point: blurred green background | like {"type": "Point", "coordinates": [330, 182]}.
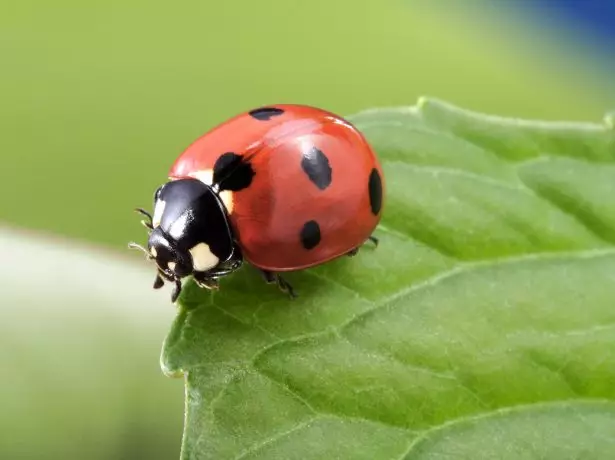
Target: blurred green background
{"type": "Point", "coordinates": [96, 101]}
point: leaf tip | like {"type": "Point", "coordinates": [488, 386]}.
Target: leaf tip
{"type": "Point", "coordinates": [169, 371]}
{"type": "Point", "coordinates": [422, 102]}
{"type": "Point", "coordinates": [432, 106]}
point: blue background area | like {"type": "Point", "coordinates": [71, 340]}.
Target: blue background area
{"type": "Point", "coordinates": [593, 19]}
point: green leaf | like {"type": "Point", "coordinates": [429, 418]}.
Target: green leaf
{"type": "Point", "coordinates": [481, 327]}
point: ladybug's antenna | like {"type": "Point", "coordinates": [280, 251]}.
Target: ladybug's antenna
{"type": "Point", "coordinates": [149, 217]}
{"type": "Point", "coordinates": [132, 245]}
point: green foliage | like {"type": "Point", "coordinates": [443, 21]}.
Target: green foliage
{"type": "Point", "coordinates": [481, 327]}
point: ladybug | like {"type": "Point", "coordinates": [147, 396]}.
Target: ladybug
{"type": "Point", "coordinates": [283, 187]}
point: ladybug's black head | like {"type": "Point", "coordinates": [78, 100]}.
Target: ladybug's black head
{"type": "Point", "coordinates": [171, 260]}
{"type": "Point", "coordinates": [190, 234]}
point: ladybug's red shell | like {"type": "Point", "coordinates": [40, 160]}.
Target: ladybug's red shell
{"type": "Point", "coordinates": [315, 190]}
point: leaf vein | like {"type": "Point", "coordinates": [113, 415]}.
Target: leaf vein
{"type": "Point", "coordinates": [470, 266]}
{"type": "Point", "coordinates": [424, 435]}
{"type": "Point", "coordinates": [558, 199]}
{"type": "Point", "coordinates": [276, 437]}
{"type": "Point", "coordinates": [245, 323]}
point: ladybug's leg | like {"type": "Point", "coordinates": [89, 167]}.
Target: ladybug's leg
{"type": "Point", "coordinates": [160, 279]}
{"type": "Point", "coordinates": [353, 252]}
{"type": "Point", "coordinates": [176, 290]}
{"type": "Point", "coordinates": [159, 282]}
{"type": "Point", "coordinates": [206, 282]}
{"type": "Point", "coordinates": [284, 285]}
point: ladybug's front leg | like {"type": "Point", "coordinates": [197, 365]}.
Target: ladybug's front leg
{"type": "Point", "coordinates": [176, 290]}
{"type": "Point", "coordinates": [159, 282]}
{"type": "Point", "coordinates": [206, 282]}
{"type": "Point", "coordinates": [284, 285]}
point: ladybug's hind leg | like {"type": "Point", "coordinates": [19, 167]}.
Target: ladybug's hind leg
{"type": "Point", "coordinates": [354, 252]}
{"type": "Point", "coordinates": [271, 277]}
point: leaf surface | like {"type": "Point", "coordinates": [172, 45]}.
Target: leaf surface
{"type": "Point", "coordinates": [481, 327]}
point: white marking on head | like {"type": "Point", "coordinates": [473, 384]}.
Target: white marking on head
{"type": "Point", "coordinates": [158, 210]}
{"type": "Point", "coordinates": [153, 251]}
{"type": "Point", "coordinates": [205, 175]}
{"type": "Point", "coordinates": [172, 266]}
{"type": "Point", "coordinates": [202, 258]}
{"type": "Point", "coordinates": [228, 199]}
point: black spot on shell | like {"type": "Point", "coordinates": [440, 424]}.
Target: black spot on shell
{"type": "Point", "coordinates": [265, 113]}
{"type": "Point", "coordinates": [316, 165]}
{"type": "Point", "coordinates": [232, 172]}
{"type": "Point", "coordinates": [310, 234]}
{"type": "Point", "coordinates": [375, 191]}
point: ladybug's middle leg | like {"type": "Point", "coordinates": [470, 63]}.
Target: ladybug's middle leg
{"type": "Point", "coordinates": [271, 277]}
